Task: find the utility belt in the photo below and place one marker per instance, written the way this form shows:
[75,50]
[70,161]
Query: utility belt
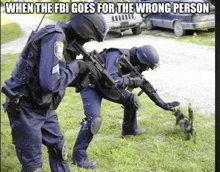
[15,99]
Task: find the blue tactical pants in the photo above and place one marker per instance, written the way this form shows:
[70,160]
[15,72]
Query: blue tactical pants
[31,128]
[92,99]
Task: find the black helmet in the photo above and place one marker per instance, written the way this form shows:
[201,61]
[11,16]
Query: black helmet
[89,26]
[148,55]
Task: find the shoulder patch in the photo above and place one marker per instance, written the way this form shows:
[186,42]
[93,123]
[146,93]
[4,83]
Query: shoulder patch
[58,49]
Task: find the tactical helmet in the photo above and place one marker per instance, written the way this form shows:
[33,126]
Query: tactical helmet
[148,55]
[89,26]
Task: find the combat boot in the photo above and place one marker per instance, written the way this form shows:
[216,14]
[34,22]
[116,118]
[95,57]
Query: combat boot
[136,132]
[79,156]
[33,169]
[86,163]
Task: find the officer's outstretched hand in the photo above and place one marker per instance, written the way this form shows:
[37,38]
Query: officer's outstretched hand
[136,82]
[170,106]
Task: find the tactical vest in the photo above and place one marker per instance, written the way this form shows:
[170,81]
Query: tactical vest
[122,51]
[111,93]
[26,71]
[121,66]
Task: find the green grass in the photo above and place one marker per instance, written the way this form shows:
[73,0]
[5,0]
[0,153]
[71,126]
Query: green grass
[58,17]
[9,32]
[162,149]
[6,21]
[202,37]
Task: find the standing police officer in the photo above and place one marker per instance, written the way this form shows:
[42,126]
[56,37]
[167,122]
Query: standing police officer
[142,59]
[37,84]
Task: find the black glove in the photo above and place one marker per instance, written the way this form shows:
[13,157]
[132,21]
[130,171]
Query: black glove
[136,82]
[82,72]
[82,66]
[169,106]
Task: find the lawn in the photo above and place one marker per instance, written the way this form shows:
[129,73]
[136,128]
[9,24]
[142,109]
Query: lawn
[162,149]
[9,31]
[201,37]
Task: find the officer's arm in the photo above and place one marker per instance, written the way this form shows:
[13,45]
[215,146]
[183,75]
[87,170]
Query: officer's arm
[54,73]
[112,58]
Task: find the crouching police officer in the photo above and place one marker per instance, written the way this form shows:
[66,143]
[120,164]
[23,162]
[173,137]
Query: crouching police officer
[142,59]
[37,84]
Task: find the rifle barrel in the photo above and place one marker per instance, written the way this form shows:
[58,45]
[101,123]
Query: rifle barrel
[80,48]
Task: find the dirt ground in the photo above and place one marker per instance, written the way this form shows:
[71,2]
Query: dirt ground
[186,72]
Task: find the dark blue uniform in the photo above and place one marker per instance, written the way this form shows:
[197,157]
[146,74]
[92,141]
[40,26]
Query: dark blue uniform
[92,97]
[41,74]
[125,67]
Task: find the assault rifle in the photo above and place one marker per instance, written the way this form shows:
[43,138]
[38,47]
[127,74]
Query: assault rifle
[147,88]
[97,73]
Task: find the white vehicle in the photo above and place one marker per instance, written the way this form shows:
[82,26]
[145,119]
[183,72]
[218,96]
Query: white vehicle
[124,22]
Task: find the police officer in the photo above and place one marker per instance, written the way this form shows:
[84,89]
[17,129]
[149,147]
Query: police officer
[37,84]
[142,59]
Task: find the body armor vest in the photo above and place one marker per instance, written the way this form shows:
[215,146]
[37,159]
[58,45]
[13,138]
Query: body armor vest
[26,71]
[122,51]
[121,66]
[110,92]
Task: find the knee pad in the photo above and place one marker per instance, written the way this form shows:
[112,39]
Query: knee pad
[133,102]
[58,151]
[93,124]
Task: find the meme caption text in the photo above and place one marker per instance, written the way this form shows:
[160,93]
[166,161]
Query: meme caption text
[110,7]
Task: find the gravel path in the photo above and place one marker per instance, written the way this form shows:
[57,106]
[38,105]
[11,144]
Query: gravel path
[186,72]
[27,23]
